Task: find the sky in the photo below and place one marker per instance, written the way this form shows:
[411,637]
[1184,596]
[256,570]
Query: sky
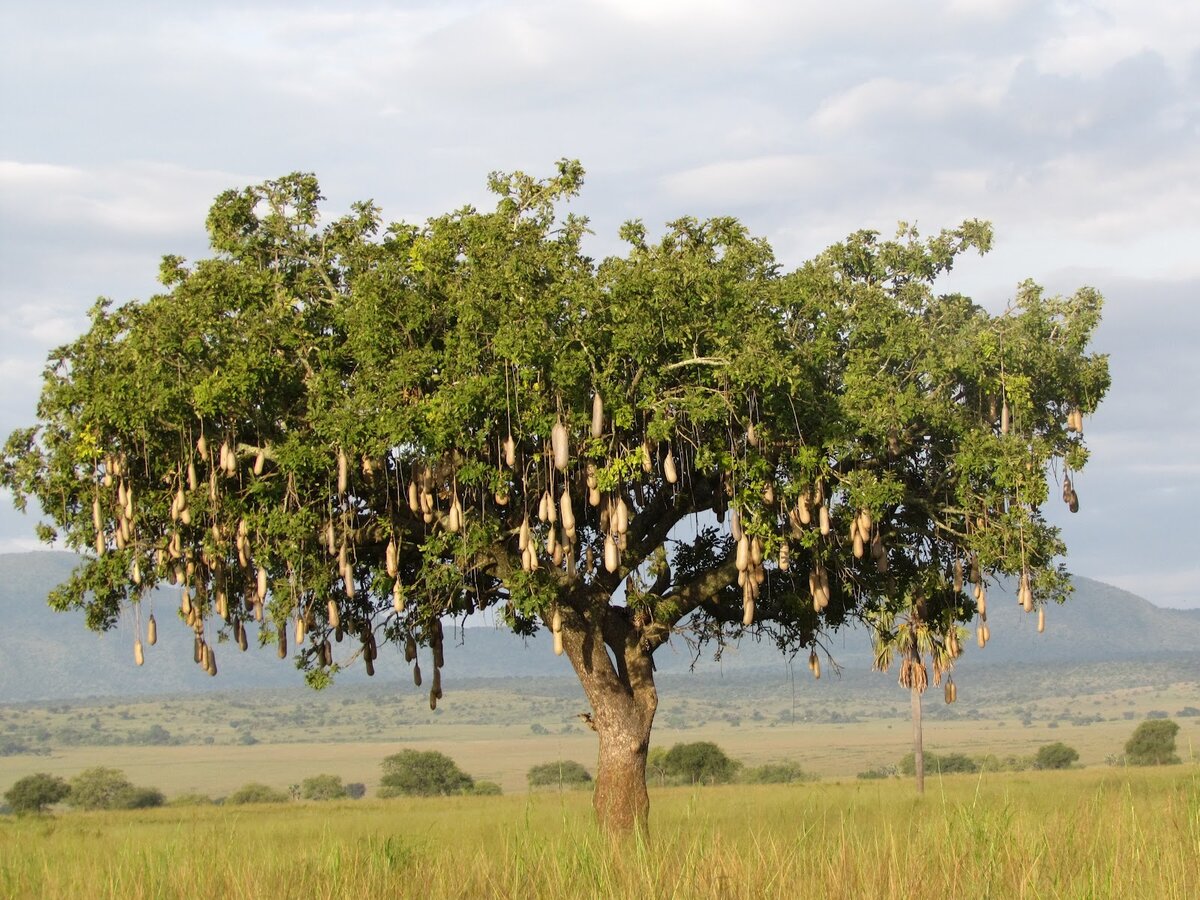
[1073,126]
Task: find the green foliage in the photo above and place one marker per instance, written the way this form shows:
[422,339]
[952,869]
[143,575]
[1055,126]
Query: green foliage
[101,787]
[388,352]
[944,764]
[700,762]
[1152,743]
[560,774]
[322,787]
[486,789]
[1055,756]
[424,773]
[33,793]
[877,774]
[256,792]
[775,773]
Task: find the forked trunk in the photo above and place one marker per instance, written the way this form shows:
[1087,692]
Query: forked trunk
[620,688]
[918,740]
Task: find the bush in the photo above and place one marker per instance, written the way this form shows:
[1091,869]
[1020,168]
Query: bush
[775,773]
[423,773]
[1152,743]
[255,792]
[356,790]
[701,762]
[139,798]
[876,774]
[563,774]
[322,787]
[947,764]
[33,793]
[103,788]
[486,789]
[1055,756]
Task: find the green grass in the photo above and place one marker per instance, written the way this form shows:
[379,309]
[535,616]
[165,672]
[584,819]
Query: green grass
[1092,833]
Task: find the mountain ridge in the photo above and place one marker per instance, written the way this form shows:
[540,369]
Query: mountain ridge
[47,655]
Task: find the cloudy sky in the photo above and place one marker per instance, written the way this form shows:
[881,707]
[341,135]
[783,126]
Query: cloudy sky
[1073,126]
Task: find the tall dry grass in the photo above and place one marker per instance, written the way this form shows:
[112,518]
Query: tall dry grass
[1097,833]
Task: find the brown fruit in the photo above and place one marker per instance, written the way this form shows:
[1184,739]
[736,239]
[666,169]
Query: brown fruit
[612,559]
[559,444]
[151,631]
[138,656]
[670,472]
[343,470]
[597,415]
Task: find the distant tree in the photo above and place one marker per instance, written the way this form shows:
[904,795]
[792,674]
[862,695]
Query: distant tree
[424,773]
[775,773]
[1055,756]
[356,790]
[561,774]
[1152,743]
[33,793]
[256,792]
[486,789]
[98,788]
[701,762]
[322,787]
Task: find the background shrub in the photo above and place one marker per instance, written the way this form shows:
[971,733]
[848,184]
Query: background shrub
[564,773]
[256,792]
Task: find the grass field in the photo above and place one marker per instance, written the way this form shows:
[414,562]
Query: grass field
[1092,833]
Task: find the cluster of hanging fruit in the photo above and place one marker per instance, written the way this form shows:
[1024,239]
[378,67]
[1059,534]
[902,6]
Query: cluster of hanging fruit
[436,645]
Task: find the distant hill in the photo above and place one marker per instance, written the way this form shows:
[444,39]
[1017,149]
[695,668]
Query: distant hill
[46,655]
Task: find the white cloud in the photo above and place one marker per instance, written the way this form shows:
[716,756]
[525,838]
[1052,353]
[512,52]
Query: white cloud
[134,198]
[749,180]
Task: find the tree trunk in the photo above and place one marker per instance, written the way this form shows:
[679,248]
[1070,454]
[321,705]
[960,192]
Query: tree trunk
[621,801]
[620,689]
[918,740]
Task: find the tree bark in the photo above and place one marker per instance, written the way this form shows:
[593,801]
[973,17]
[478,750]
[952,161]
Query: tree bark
[620,688]
[918,740]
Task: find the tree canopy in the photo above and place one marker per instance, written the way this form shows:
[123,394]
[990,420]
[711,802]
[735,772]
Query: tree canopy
[423,773]
[343,427]
[33,793]
[1152,743]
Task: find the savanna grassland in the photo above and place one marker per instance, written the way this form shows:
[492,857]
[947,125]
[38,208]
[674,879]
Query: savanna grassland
[1092,833]
[497,729]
